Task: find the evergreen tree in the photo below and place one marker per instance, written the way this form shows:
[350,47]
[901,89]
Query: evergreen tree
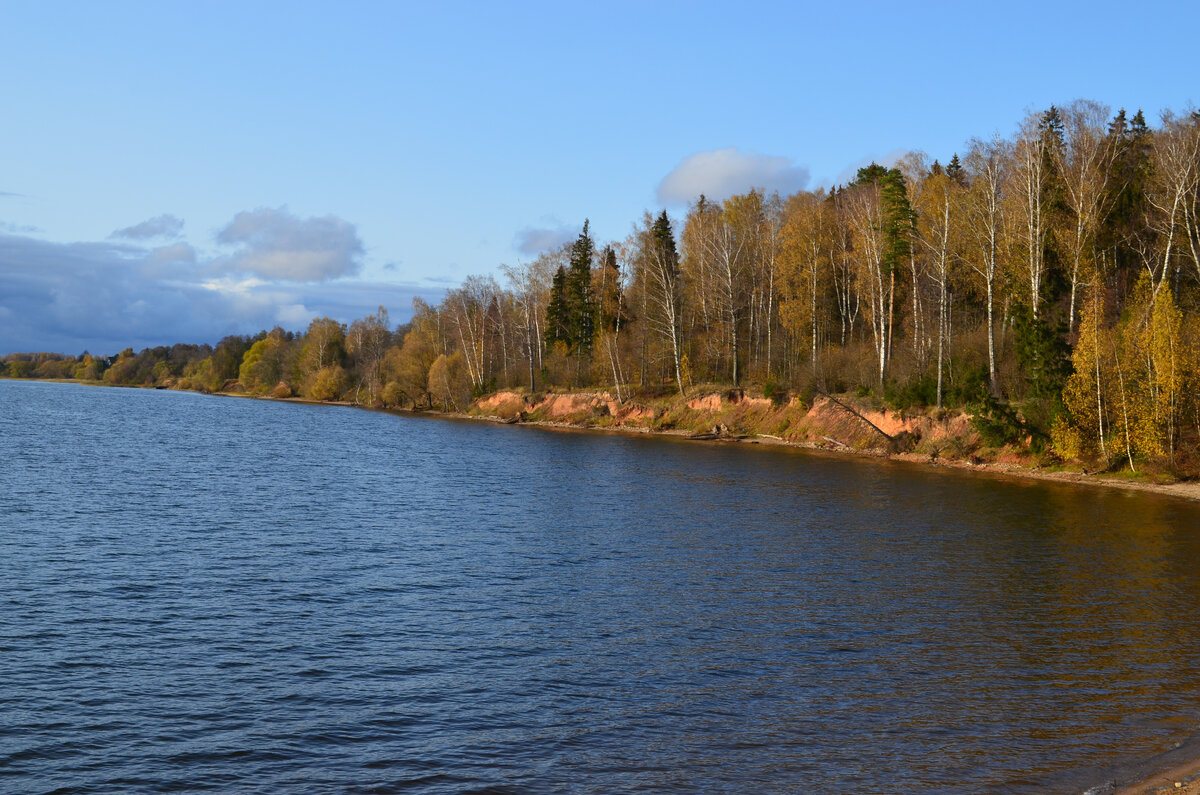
[558,317]
[1054,199]
[1124,232]
[899,220]
[611,302]
[898,217]
[580,310]
[954,170]
[1041,352]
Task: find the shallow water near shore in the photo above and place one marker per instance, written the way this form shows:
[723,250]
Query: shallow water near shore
[202,592]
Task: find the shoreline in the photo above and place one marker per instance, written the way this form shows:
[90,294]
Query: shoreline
[1186,490]
[1176,770]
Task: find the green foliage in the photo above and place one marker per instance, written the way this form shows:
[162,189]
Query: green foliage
[955,170]
[571,312]
[899,219]
[776,393]
[997,423]
[919,391]
[1042,353]
[558,312]
[964,387]
[581,312]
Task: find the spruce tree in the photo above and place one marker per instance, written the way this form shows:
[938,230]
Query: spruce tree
[580,309]
[899,219]
[558,317]
[954,170]
[611,308]
[1124,233]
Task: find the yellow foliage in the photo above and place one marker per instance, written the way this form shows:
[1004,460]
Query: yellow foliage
[1064,438]
[329,384]
[1084,393]
[448,381]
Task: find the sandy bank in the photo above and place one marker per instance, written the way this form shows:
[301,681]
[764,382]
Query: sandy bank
[829,426]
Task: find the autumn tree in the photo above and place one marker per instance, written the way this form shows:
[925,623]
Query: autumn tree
[449,385]
[1085,393]
[661,280]
[1084,164]
[988,169]
[941,208]
[263,366]
[804,266]
[324,346]
[881,220]
[367,342]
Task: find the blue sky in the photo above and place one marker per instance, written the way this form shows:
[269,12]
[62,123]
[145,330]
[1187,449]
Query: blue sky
[180,171]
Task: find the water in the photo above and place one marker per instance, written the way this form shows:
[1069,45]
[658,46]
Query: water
[211,593]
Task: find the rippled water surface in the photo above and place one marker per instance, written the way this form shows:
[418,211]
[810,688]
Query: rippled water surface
[210,593]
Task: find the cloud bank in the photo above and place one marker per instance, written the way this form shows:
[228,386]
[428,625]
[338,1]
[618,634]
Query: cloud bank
[106,296]
[721,173]
[274,244]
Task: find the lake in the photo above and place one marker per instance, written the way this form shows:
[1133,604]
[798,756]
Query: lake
[200,592]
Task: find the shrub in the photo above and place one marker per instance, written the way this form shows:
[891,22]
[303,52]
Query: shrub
[775,393]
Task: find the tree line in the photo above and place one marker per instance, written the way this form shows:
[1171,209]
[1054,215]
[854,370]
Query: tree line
[1049,279]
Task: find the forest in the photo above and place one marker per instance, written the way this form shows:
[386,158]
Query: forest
[1047,282]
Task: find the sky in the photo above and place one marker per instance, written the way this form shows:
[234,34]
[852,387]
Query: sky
[176,172]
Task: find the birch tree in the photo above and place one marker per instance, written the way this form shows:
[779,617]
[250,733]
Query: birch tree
[988,166]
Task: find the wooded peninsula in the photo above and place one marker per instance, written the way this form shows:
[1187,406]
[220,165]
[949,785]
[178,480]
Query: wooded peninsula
[1042,288]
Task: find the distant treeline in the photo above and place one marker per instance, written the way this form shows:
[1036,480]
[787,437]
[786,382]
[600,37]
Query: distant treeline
[1050,280]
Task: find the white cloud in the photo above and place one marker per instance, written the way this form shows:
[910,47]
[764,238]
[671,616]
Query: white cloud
[160,226]
[275,244]
[228,286]
[721,173]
